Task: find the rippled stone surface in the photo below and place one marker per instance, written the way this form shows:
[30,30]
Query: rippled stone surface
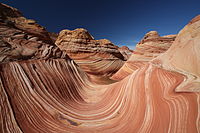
[99,58]
[22,38]
[183,56]
[125,51]
[55,95]
[151,46]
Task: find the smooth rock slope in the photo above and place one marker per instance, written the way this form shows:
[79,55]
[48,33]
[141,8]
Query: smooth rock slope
[184,56]
[151,46]
[55,95]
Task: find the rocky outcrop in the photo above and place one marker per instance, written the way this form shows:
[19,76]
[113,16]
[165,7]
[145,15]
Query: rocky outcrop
[53,36]
[151,46]
[125,51]
[96,57]
[56,96]
[80,41]
[22,38]
[183,57]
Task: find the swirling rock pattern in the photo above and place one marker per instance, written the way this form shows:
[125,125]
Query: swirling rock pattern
[125,51]
[55,95]
[53,102]
[151,46]
[186,45]
[96,57]
[22,38]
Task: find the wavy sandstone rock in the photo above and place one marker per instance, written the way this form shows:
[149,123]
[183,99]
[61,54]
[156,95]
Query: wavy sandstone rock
[53,36]
[151,46]
[56,96]
[184,56]
[22,38]
[96,57]
[55,102]
[125,51]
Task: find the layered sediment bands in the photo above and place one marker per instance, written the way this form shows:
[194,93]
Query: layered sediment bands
[125,51]
[183,56]
[100,70]
[8,122]
[14,18]
[53,36]
[96,57]
[80,41]
[151,46]
[52,94]
[21,38]
[128,68]
[45,100]
[34,89]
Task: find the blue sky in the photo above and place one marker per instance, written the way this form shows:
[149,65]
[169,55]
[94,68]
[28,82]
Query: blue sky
[124,22]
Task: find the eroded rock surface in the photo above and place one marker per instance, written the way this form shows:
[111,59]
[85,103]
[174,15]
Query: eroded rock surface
[55,95]
[183,56]
[22,38]
[151,46]
[96,57]
[80,41]
[125,51]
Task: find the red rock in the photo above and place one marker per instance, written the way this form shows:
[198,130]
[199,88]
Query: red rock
[125,51]
[53,36]
[151,46]
[183,57]
[99,58]
[80,41]
[22,38]
[196,19]
[56,96]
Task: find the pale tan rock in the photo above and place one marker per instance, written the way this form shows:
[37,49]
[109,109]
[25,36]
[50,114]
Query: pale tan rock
[183,56]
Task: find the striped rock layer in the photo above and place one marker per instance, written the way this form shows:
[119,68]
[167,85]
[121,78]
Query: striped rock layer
[125,51]
[22,39]
[55,95]
[151,46]
[96,57]
[183,56]
[33,101]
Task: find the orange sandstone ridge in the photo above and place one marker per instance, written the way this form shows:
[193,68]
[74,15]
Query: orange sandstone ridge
[151,46]
[22,38]
[99,58]
[79,44]
[183,57]
[52,94]
[125,51]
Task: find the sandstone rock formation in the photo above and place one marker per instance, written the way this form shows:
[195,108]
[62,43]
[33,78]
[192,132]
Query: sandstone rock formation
[80,41]
[151,46]
[183,56]
[53,36]
[96,57]
[125,51]
[22,38]
[54,95]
